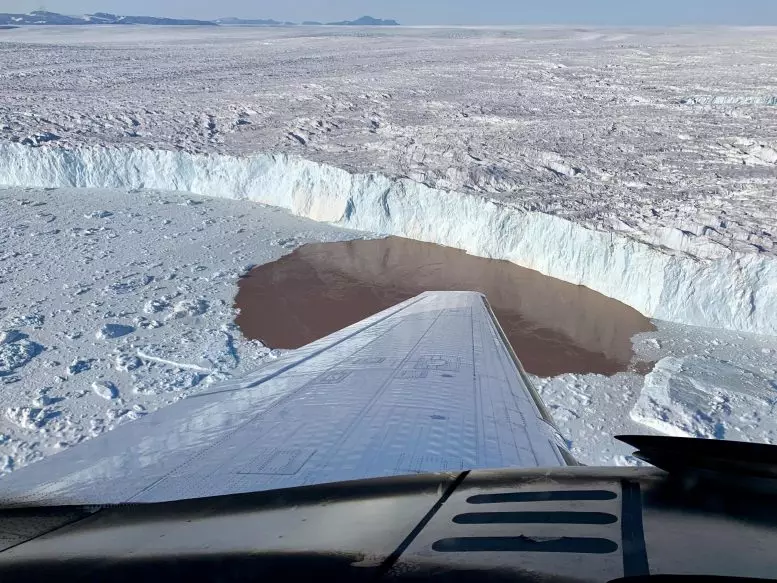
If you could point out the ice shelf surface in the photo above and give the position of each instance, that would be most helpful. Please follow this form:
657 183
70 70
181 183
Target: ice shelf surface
737 291
638 162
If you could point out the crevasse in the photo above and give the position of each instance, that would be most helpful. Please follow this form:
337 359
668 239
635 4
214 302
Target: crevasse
737 292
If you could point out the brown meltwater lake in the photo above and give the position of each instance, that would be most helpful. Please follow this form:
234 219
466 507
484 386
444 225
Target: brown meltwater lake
554 327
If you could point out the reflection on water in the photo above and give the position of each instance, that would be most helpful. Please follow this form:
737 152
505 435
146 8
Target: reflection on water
555 327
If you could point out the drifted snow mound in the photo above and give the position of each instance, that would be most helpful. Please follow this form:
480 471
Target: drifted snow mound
700 396
736 292
730 100
108 331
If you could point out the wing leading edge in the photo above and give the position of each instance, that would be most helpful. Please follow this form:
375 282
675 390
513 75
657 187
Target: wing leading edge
429 385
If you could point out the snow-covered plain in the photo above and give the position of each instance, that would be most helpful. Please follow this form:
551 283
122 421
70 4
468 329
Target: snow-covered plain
639 131
706 382
640 163
114 303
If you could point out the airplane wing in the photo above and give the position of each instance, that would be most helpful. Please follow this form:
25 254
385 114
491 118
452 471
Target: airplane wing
430 385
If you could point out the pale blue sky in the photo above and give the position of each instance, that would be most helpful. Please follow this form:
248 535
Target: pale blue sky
436 11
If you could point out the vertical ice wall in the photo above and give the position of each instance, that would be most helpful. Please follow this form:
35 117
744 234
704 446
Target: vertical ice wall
737 292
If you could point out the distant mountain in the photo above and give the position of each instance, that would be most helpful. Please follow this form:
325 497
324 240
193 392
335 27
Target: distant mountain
41 17
101 18
38 17
365 21
253 22
161 21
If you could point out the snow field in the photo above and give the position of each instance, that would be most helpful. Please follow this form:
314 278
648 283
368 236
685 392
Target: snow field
113 304
638 162
706 383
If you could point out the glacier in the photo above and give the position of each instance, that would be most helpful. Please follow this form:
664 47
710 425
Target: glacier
737 292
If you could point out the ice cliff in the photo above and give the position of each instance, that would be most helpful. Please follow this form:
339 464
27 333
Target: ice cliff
737 292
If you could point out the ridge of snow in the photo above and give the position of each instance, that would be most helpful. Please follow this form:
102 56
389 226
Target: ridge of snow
736 292
701 396
730 100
